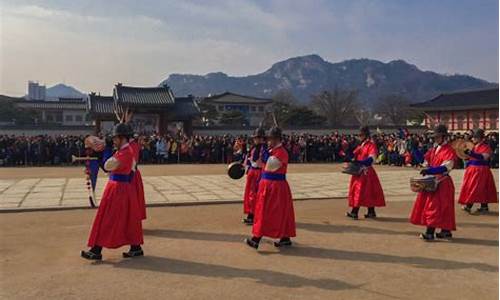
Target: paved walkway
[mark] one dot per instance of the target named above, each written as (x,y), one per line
(44,193)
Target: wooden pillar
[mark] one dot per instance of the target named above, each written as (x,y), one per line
(162,126)
(468,120)
(97,125)
(452,121)
(484,119)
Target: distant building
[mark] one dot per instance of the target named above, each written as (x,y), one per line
(36,91)
(254,109)
(65,111)
(462,111)
(155,109)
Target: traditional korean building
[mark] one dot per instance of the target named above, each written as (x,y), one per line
(65,111)
(253,108)
(155,109)
(462,111)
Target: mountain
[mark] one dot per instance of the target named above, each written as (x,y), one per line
(63,91)
(307,75)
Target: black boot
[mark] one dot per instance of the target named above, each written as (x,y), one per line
(371,213)
(428,235)
(93,253)
(483,209)
(248,220)
(253,242)
(135,251)
(353,214)
(444,234)
(467,208)
(285,241)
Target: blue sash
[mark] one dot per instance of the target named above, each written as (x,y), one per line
(477,163)
(273,176)
(121,177)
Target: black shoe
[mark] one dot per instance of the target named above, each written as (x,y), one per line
(90,255)
(133,253)
(370,215)
(248,221)
(427,236)
(351,215)
(467,209)
(283,243)
(482,210)
(444,235)
(252,243)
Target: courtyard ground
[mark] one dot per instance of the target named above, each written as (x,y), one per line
(196,251)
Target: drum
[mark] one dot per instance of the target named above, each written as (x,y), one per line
(460,146)
(236,170)
(427,183)
(353,168)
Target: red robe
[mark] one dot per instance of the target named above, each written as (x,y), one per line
(118,221)
(137,180)
(437,209)
(274,215)
(252,183)
(478,185)
(366,190)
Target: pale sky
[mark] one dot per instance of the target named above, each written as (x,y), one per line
(92,44)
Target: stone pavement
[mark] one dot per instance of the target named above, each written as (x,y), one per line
(58,193)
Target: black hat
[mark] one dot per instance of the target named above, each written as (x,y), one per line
(365,131)
(479,134)
(441,130)
(259,132)
(274,132)
(123,130)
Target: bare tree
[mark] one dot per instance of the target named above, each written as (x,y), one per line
(337,106)
(363,115)
(283,103)
(396,109)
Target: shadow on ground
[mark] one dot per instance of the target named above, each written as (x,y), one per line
(272,278)
(330,228)
(323,253)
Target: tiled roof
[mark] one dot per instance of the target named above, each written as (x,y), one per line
(229,97)
(462,100)
(54,105)
(185,108)
(98,104)
(143,96)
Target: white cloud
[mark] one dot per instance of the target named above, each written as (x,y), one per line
(93,44)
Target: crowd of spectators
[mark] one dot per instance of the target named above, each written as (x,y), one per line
(399,148)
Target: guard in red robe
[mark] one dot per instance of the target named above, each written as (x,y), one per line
(478,185)
(274,214)
(255,163)
(437,209)
(365,190)
(118,219)
(137,180)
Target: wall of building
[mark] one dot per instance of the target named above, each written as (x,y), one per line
(254,113)
(73,117)
(465,120)
(55,131)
